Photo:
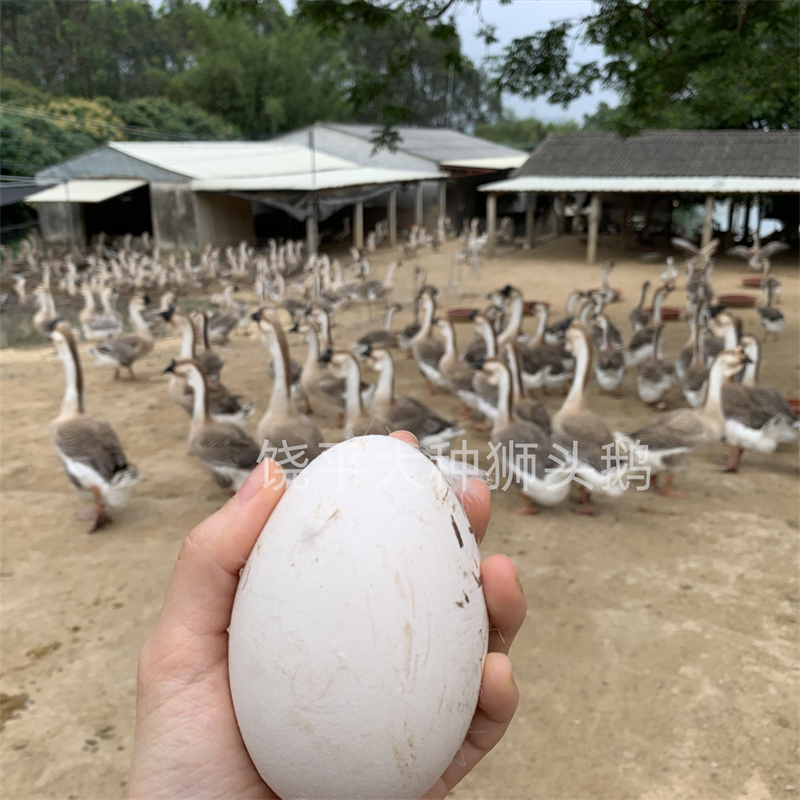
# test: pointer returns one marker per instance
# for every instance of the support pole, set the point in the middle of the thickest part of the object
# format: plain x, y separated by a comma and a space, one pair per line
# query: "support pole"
707, 219
623, 228
443, 198
729, 231
594, 226
358, 226
530, 217
391, 213
418, 204
491, 223
311, 230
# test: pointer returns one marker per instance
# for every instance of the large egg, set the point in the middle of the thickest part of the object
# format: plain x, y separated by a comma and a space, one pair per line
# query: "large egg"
359, 628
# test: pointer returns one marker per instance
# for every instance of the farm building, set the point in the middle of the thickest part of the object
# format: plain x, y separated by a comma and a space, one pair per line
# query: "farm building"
189, 194
645, 174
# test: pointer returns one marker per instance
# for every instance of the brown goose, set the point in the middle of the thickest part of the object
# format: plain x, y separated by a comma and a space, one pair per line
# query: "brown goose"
639, 317
525, 449
695, 377
665, 445
523, 406
122, 353
382, 337
609, 368
406, 413
210, 362
640, 347
426, 350
655, 376
88, 446
283, 428
357, 421
224, 448
772, 319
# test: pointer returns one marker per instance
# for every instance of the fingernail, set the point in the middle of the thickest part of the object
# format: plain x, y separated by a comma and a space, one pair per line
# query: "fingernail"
255, 482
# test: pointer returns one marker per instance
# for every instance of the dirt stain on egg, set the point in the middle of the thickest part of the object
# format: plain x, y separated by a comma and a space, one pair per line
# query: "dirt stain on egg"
458, 532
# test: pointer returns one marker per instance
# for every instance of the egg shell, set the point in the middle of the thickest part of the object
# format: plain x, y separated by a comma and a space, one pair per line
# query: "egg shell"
359, 628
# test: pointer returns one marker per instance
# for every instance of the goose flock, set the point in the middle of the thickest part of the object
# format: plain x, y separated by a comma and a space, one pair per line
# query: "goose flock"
498, 377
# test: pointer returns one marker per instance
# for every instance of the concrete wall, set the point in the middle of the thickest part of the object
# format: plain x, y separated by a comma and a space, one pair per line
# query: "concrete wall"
174, 215
54, 222
223, 219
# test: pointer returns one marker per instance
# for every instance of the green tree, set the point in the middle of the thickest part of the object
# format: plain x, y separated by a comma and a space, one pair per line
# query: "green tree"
524, 134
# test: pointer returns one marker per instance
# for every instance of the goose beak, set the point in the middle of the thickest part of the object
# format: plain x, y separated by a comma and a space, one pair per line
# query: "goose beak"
51, 324
146, 298
746, 359
171, 367
473, 314
295, 328
325, 358
256, 315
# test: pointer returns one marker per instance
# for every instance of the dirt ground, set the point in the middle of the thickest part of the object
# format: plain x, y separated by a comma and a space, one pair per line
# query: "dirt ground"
660, 654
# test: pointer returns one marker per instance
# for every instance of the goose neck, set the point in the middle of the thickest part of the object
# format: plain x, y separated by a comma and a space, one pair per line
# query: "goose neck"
73, 402
575, 397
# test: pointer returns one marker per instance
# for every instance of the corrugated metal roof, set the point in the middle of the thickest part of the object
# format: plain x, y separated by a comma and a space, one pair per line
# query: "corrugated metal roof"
85, 191
106, 162
306, 182
503, 162
717, 184
436, 144
734, 153
209, 160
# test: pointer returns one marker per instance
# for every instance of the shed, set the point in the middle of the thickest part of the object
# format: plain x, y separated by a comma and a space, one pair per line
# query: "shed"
727, 163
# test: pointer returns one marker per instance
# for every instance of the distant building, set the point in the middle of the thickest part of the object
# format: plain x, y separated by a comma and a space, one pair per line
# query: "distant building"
189, 194
643, 172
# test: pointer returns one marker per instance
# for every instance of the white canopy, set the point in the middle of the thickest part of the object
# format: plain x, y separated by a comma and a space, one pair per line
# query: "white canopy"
85, 191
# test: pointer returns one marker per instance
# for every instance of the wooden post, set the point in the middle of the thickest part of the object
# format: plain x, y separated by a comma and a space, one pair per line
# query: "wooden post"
648, 217
311, 233
418, 217
530, 217
729, 231
491, 223
561, 220
746, 221
623, 228
442, 198
707, 220
358, 225
595, 209
759, 210
392, 215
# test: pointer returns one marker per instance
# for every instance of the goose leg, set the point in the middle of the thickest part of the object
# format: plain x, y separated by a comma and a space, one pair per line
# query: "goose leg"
733, 460
584, 508
116, 375
618, 392
667, 490
528, 509
430, 390
98, 515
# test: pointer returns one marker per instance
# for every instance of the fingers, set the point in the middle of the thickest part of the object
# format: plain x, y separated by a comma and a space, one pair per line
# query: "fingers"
497, 703
505, 601
203, 583
476, 500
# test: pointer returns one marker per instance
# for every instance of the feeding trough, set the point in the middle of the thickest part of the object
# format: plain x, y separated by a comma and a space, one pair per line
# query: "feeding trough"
752, 281
794, 404
737, 300
461, 314
668, 313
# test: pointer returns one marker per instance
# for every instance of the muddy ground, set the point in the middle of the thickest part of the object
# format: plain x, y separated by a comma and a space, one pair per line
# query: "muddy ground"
660, 654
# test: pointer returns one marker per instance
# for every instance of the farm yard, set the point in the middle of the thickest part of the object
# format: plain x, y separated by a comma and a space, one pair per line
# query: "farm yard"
659, 654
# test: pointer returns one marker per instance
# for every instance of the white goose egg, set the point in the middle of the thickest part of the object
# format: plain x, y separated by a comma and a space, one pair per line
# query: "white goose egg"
359, 629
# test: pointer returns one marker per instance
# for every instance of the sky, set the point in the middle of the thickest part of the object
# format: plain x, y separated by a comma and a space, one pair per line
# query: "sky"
522, 18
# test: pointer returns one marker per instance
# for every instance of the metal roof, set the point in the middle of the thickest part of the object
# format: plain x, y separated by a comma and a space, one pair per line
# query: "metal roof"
85, 191
503, 162
308, 182
210, 160
439, 145
711, 154
717, 185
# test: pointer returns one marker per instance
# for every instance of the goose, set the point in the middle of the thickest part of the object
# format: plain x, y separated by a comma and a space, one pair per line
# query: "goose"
611, 333
19, 288
382, 337
426, 350
757, 256
461, 379
372, 290
122, 353
406, 413
684, 359
640, 347
584, 433
554, 334
45, 312
664, 446
283, 427
656, 375
757, 418
96, 326
107, 296
357, 422
225, 449
223, 405
638, 316
695, 377
88, 446
721, 333
605, 293
523, 406
609, 368
315, 379
542, 364
209, 360
772, 319
526, 450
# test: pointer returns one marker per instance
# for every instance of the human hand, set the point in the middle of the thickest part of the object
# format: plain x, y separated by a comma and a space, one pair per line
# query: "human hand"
187, 742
